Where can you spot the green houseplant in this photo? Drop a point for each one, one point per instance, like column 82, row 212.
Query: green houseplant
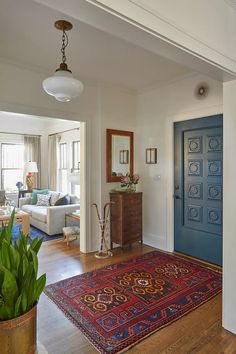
column 19, row 291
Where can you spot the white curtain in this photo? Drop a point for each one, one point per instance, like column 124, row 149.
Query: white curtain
column 52, row 162
column 32, row 152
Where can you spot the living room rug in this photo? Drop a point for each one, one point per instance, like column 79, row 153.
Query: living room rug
column 121, row 304
column 34, row 232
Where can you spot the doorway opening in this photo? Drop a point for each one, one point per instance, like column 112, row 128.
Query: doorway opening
column 57, row 146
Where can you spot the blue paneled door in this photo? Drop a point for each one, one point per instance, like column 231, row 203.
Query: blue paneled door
column 198, row 188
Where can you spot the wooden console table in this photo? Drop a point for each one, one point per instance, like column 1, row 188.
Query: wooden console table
column 126, row 218
column 23, row 192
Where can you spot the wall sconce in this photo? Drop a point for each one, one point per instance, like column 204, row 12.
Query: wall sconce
column 151, row 155
column 124, row 157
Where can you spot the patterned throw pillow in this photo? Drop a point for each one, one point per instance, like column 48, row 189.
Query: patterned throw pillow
column 43, row 199
column 35, row 192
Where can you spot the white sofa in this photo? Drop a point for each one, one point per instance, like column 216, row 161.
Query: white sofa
column 49, row 219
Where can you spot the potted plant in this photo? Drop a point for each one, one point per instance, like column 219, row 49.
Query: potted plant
column 19, row 291
column 130, row 182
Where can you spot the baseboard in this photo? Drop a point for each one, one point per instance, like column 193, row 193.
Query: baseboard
column 155, row 241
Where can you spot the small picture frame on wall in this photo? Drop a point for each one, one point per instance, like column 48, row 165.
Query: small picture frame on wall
column 151, row 155
column 124, row 157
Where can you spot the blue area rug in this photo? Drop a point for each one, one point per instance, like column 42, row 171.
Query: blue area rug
column 33, row 233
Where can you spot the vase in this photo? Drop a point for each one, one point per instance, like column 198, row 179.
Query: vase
column 133, row 188
column 18, row 335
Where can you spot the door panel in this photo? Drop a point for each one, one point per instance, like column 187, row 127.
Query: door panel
column 198, row 188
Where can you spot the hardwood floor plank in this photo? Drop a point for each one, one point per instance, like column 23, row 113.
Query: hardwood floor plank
column 198, row 332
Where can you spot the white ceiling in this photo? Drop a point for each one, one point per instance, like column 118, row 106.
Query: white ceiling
column 29, row 38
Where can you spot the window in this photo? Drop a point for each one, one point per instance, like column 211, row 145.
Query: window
column 75, row 155
column 63, row 180
column 12, row 164
column 63, row 159
column 69, row 164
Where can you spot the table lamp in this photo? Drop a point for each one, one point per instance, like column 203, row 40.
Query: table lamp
column 30, row 168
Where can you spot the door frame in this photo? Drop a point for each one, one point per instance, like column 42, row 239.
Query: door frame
column 169, row 157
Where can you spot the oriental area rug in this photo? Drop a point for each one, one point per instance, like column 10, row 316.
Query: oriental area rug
column 121, row 304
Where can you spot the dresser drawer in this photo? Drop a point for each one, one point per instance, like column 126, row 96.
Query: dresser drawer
column 126, row 218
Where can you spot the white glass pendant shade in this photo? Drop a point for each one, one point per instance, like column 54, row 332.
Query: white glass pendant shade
column 63, row 86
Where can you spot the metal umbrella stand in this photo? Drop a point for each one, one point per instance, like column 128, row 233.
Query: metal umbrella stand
column 104, row 251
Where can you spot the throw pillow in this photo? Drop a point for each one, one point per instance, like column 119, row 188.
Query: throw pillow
column 34, row 194
column 54, row 197
column 43, row 199
column 63, row 201
column 74, row 199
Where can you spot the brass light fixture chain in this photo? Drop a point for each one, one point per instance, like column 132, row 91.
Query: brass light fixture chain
column 62, row 85
column 64, row 45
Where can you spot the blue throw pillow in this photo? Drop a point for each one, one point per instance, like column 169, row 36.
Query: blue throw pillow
column 63, row 201
column 34, row 194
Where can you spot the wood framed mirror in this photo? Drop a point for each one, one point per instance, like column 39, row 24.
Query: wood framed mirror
column 119, row 154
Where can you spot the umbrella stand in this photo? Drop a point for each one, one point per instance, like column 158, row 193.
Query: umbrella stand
column 103, row 251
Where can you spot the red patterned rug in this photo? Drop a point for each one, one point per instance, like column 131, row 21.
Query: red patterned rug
column 119, row 305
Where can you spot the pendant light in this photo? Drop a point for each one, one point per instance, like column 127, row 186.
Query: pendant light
column 62, row 85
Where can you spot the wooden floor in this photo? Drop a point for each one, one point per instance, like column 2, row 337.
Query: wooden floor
column 198, row 332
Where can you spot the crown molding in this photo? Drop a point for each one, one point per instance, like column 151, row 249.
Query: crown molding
column 186, row 31
column 139, row 6
column 231, row 3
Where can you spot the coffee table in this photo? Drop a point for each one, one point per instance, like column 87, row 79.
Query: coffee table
column 21, row 217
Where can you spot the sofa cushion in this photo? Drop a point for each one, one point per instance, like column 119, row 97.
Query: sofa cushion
column 74, row 199
column 43, row 199
column 63, row 201
column 36, row 212
column 34, row 194
column 28, row 208
column 40, row 214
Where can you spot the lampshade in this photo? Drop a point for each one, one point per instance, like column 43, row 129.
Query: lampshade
column 31, row 167
column 63, row 86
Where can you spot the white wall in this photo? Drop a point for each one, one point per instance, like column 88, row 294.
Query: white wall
column 117, row 111
column 156, row 112
column 229, row 214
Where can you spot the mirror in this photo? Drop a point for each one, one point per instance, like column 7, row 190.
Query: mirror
column 119, row 154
